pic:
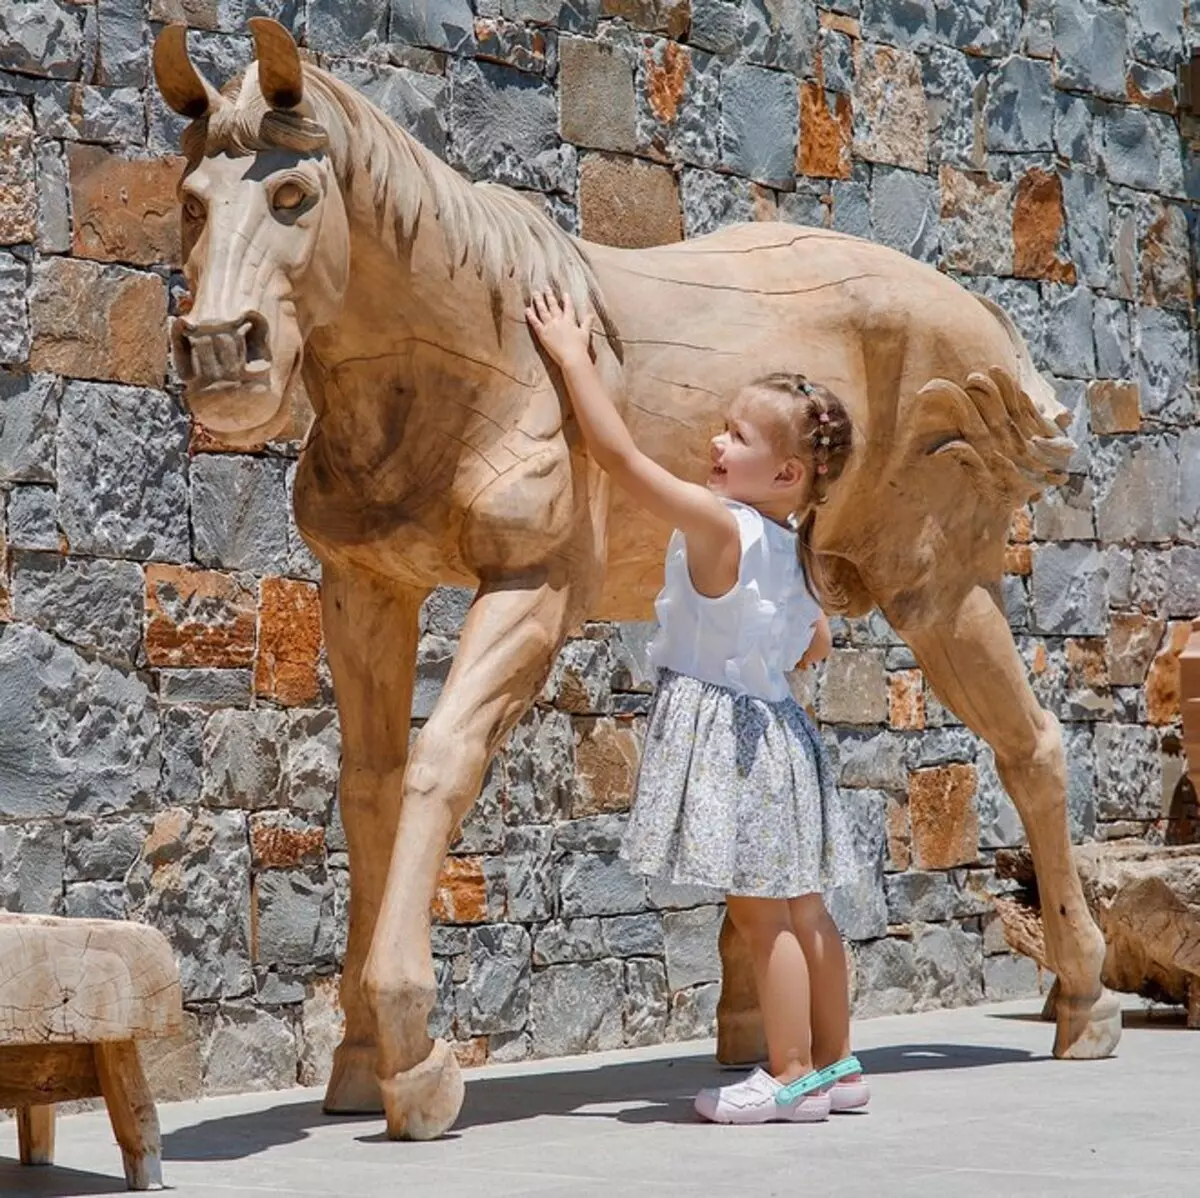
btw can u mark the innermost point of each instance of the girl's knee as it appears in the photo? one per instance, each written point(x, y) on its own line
point(759, 919)
point(809, 911)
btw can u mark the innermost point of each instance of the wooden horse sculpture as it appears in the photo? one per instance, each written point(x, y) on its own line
point(320, 238)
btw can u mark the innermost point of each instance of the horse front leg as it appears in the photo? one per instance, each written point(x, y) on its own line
point(511, 635)
point(371, 634)
point(973, 666)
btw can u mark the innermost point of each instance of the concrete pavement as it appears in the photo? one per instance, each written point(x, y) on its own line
point(966, 1103)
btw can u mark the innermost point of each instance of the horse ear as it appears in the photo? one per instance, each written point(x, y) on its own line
point(181, 85)
point(280, 78)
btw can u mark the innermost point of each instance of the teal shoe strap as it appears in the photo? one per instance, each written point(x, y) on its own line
point(846, 1067)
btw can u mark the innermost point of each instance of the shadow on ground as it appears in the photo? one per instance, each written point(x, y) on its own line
point(18, 1181)
point(1152, 1016)
point(663, 1089)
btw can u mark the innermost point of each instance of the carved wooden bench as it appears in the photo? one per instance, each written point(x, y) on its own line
point(75, 997)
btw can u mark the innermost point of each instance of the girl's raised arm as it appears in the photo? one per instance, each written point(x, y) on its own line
point(709, 526)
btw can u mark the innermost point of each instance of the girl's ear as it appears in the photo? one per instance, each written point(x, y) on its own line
point(791, 473)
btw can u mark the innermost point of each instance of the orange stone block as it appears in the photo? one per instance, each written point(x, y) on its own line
point(941, 809)
point(1133, 640)
point(1163, 682)
point(124, 209)
point(283, 843)
point(906, 700)
point(1021, 530)
point(98, 322)
point(825, 135)
point(289, 641)
point(606, 765)
point(470, 1054)
point(666, 80)
point(899, 836)
point(1018, 559)
point(461, 895)
point(629, 203)
point(1038, 223)
point(1114, 407)
point(198, 618)
point(18, 180)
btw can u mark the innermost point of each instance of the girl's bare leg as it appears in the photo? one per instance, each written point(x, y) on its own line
point(781, 976)
point(829, 982)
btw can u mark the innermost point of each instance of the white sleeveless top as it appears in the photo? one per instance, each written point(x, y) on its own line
point(751, 636)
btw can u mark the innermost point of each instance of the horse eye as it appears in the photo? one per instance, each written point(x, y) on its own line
point(193, 207)
point(288, 197)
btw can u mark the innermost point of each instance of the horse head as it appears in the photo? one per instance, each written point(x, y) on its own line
point(266, 241)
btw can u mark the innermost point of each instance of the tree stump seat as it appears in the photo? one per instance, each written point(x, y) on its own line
point(75, 997)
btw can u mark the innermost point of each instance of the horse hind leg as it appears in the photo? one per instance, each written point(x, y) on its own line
point(972, 664)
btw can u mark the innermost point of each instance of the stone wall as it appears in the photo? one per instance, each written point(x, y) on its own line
point(168, 746)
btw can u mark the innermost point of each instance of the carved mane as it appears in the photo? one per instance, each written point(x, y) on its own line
point(390, 180)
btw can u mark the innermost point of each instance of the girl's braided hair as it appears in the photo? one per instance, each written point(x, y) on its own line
point(816, 427)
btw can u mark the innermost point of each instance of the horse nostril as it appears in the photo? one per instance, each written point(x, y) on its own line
point(181, 347)
point(253, 330)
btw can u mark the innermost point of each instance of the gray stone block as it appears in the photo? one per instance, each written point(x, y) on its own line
point(917, 897)
point(103, 760)
point(1156, 31)
point(805, 205)
point(505, 127)
point(647, 1003)
point(631, 657)
point(32, 861)
point(313, 752)
point(182, 753)
point(910, 23)
point(122, 471)
point(193, 884)
point(1189, 484)
point(597, 108)
point(1069, 590)
point(781, 35)
point(445, 610)
point(999, 824)
point(671, 896)
point(577, 1008)
point(349, 28)
point(245, 755)
point(876, 760)
point(14, 310)
point(949, 966)
point(711, 201)
point(28, 419)
point(250, 1049)
point(1164, 365)
point(1128, 773)
point(885, 978)
point(598, 884)
point(991, 28)
point(1090, 43)
point(694, 1013)
point(852, 207)
point(1010, 977)
point(1075, 129)
point(595, 834)
point(633, 935)
point(102, 850)
point(691, 135)
point(440, 24)
point(415, 101)
point(106, 115)
point(1137, 489)
point(955, 91)
point(759, 120)
point(239, 512)
point(1114, 339)
point(539, 769)
point(942, 746)
point(1142, 149)
point(42, 39)
point(717, 25)
point(860, 908)
point(295, 919)
point(435, 656)
point(1020, 107)
point(95, 900)
point(529, 871)
point(1065, 513)
point(854, 687)
point(904, 212)
point(206, 688)
point(33, 518)
point(123, 55)
point(691, 946)
point(837, 60)
point(568, 941)
point(1069, 348)
point(92, 603)
point(1182, 591)
point(496, 994)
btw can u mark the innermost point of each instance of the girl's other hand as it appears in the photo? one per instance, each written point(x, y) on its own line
point(564, 337)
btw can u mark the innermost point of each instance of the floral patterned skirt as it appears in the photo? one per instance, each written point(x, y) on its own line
point(736, 794)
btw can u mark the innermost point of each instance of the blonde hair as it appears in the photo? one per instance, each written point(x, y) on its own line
point(815, 427)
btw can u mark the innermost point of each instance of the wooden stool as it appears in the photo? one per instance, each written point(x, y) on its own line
point(75, 997)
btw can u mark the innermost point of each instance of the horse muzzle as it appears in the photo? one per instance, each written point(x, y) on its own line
point(222, 355)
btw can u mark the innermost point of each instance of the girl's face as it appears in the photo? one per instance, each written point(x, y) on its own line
point(745, 462)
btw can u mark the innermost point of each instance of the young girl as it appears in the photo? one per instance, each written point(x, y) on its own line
point(735, 791)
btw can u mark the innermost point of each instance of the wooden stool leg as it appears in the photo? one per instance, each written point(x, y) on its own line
point(35, 1134)
point(131, 1110)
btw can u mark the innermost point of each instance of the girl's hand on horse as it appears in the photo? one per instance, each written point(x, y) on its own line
point(563, 335)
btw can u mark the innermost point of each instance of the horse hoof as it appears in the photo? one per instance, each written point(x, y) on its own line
point(423, 1102)
point(1089, 1029)
point(353, 1087)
